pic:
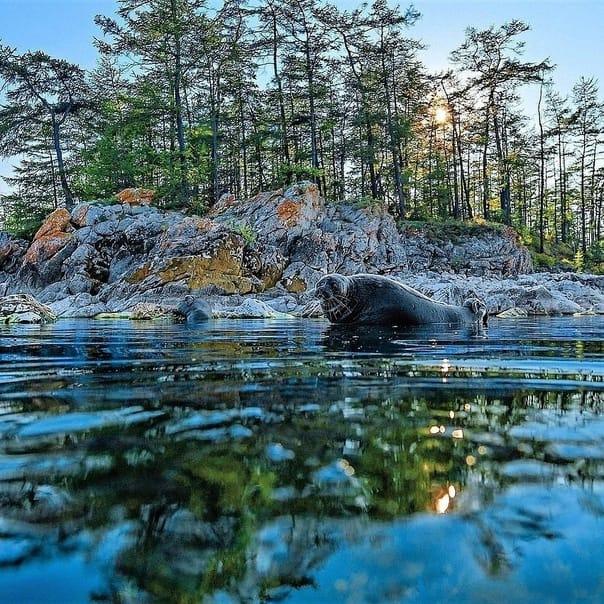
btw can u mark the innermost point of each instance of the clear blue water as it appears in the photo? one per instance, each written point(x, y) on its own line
point(246, 461)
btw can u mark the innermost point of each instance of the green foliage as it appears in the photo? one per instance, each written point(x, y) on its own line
point(20, 218)
point(302, 171)
point(579, 261)
point(198, 206)
point(246, 231)
point(543, 261)
point(450, 229)
point(366, 202)
point(527, 237)
point(180, 103)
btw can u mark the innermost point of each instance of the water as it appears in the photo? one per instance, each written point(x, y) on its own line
point(295, 462)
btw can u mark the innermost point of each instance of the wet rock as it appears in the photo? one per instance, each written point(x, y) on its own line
point(289, 549)
point(35, 503)
point(513, 313)
point(543, 301)
point(146, 311)
point(184, 526)
point(14, 551)
point(23, 308)
point(337, 479)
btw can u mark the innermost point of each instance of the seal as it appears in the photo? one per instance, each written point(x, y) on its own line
point(193, 310)
point(376, 300)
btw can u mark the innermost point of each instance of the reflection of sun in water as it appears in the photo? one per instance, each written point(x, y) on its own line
point(441, 115)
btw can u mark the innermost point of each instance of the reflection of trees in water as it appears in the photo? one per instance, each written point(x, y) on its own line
point(202, 508)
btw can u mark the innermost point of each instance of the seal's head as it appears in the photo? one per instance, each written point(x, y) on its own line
point(193, 310)
point(185, 305)
point(333, 293)
point(479, 309)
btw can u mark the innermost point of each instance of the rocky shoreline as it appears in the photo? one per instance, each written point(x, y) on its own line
point(260, 258)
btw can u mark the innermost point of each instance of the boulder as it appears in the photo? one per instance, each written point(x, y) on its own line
point(316, 239)
point(23, 308)
point(52, 237)
point(543, 301)
point(136, 196)
point(513, 313)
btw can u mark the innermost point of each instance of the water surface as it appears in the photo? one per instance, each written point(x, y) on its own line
point(246, 461)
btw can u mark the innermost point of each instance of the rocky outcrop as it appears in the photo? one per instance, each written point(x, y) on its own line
point(318, 239)
point(101, 259)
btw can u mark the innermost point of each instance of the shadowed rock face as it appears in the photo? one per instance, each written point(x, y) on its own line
point(100, 259)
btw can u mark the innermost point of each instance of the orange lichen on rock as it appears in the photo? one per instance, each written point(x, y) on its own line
point(288, 212)
point(50, 238)
point(221, 267)
point(136, 196)
point(56, 222)
point(139, 274)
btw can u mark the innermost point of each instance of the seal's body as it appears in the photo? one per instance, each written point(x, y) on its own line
point(377, 300)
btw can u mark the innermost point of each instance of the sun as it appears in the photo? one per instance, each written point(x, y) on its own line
point(441, 115)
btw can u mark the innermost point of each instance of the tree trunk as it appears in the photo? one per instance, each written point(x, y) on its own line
point(485, 173)
point(541, 174)
point(394, 150)
point(178, 110)
point(313, 118)
point(56, 139)
point(277, 76)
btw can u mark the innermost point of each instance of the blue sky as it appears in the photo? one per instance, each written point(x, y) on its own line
point(567, 31)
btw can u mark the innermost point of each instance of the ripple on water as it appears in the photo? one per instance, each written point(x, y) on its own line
point(300, 462)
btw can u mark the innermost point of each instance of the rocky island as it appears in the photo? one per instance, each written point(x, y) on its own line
point(261, 257)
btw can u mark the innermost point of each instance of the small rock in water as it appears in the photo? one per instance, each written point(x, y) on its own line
point(14, 551)
point(23, 308)
point(337, 478)
point(512, 313)
point(588, 312)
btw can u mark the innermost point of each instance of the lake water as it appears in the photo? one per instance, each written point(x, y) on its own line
point(246, 461)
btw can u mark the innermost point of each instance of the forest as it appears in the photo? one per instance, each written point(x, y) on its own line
point(195, 100)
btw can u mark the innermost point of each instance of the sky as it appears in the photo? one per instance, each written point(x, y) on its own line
point(569, 32)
